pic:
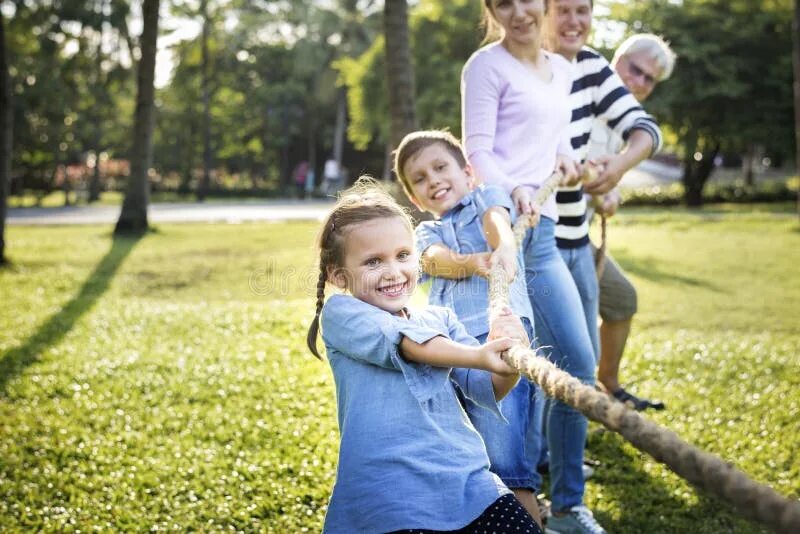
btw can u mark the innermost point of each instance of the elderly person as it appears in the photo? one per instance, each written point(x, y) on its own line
point(641, 61)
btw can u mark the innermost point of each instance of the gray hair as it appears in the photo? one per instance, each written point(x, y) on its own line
point(651, 45)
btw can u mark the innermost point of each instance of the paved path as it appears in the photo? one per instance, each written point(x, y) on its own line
point(224, 212)
point(648, 173)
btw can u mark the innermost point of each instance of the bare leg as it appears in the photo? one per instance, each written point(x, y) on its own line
point(529, 502)
point(613, 336)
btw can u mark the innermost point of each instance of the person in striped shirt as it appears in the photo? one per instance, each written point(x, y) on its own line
point(597, 93)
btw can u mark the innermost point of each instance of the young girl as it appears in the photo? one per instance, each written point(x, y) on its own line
point(408, 459)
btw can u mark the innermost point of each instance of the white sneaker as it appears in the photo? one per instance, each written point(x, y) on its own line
point(579, 520)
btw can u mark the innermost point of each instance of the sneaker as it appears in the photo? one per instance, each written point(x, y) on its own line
point(579, 520)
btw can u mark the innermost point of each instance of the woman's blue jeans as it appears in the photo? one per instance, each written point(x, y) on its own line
point(560, 325)
point(580, 262)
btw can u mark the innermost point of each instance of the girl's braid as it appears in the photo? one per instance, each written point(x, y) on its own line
point(311, 339)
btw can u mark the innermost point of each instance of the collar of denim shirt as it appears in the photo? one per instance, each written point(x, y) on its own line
point(455, 210)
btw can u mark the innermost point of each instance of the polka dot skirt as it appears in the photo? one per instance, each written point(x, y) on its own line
point(505, 516)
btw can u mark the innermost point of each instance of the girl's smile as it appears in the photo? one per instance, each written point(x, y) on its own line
point(380, 265)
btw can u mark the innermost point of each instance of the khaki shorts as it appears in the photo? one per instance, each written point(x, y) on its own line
point(617, 294)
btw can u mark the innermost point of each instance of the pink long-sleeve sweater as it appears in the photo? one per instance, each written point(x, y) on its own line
point(513, 122)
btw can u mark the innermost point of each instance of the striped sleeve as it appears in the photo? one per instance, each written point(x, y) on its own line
point(597, 92)
point(613, 103)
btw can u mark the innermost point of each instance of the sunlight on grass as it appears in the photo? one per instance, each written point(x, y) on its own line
point(165, 384)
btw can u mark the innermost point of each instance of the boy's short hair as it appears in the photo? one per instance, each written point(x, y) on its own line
point(414, 142)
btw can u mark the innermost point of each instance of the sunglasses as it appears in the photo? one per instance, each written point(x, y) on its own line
point(639, 73)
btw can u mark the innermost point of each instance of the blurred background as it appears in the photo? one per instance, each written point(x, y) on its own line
point(249, 93)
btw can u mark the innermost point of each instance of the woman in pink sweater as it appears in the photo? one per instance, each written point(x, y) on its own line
point(515, 113)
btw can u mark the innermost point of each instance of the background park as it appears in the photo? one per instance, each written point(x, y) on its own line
point(154, 375)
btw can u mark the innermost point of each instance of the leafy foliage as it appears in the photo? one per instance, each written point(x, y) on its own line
point(732, 84)
point(443, 36)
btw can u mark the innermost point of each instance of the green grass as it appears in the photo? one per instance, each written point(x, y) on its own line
point(164, 384)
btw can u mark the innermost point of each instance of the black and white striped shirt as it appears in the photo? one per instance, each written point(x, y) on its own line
point(596, 92)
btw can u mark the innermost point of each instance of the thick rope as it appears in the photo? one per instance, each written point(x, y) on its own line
point(600, 256)
point(751, 499)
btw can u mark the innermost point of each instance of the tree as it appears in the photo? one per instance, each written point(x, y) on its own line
point(796, 62)
point(443, 36)
point(68, 61)
point(133, 217)
point(399, 71)
point(203, 11)
point(731, 85)
point(6, 135)
point(206, 181)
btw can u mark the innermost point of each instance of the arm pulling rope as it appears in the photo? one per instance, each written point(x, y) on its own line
point(706, 471)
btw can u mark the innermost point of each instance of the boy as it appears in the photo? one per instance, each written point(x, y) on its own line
point(471, 233)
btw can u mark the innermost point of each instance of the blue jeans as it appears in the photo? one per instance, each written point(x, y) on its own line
point(580, 262)
point(513, 448)
point(560, 325)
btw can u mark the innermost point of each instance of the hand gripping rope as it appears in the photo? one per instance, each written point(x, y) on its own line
point(751, 499)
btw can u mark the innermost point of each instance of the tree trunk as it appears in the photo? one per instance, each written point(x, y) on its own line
point(285, 170)
point(696, 174)
point(266, 141)
point(133, 218)
point(312, 156)
point(388, 161)
point(202, 191)
point(796, 57)
point(341, 126)
point(399, 73)
point(747, 163)
point(185, 187)
point(400, 81)
point(6, 135)
point(94, 182)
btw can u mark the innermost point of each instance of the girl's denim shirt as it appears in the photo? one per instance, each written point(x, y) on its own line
point(408, 457)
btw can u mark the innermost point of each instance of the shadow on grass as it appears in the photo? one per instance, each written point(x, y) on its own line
point(653, 270)
point(648, 503)
point(56, 327)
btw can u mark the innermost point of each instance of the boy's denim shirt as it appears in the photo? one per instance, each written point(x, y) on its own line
point(409, 457)
point(461, 230)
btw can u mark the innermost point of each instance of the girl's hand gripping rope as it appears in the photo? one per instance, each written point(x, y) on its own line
point(504, 323)
point(490, 357)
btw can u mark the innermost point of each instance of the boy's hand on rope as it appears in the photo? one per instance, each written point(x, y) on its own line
point(481, 263)
point(506, 324)
point(506, 257)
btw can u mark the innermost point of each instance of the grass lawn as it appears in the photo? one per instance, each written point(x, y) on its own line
point(163, 384)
